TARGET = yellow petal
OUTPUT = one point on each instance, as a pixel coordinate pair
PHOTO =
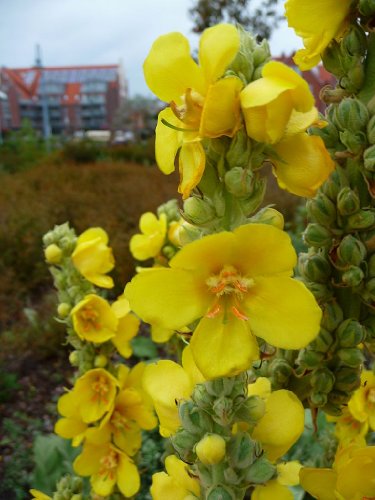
(88, 462)
(128, 479)
(356, 476)
(288, 473)
(261, 387)
(170, 298)
(192, 160)
(283, 312)
(167, 382)
(103, 485)
(190, 366)
(167, 141)
(223, 348)
(68, 428)
(178, 470)
(221, 110)
(127, 329)
(38, 495)
(299, 122)
(93, 233)
(164, 487)
(262, 250)
(169, 68)
(160, 334)
(271, 491)
(218, 47)
(281, 425)
(320, 483)
(305, 164)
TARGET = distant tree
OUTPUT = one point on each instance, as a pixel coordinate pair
(259, 17)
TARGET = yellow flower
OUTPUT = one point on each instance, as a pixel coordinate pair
(94, 320)
(349, 430)
(53, 255)
(175, 484)
(149, 243)
(167, 383)
(203, 104)
(71, 426)
(362, 403)
(283, 421)
(93, 395)
(317, 23)
(352, 476)
(107, 466)
(277, 104)
(238, 284)
(210, 449)
(38, 495)
(93, 258)
(127, 326)
(302, 165)
(287, 475)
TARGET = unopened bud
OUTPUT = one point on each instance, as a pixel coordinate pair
(352, 357)
(350, 333)
(329, 134)
(351, 251)
(317, 236)
(168, 251)
(369, 158)
(370, 289)
(260, 471)
(74, 358)
(252, 410)
(309, 359)
(363, 219)
(100, 361)
(53, 254)
(221, 493)
(322, 380)
(321, 292)
(338, 397)
(332, 316)
(331, 187)
(280, 370)
(347, 201)
(242, 450)
(354, 142)
(351, 114)
(371, 130)
(347, 379)
(198, 211)
(353, 276)
(269, 216)
(321, 209)
(261, 53)
(211, 449)
(318, 399)
(239, 181)
(63, 310)
(322, 342)
(183, 442)
(239, 152)
(314, 267)
(367, 7)
(331, 59)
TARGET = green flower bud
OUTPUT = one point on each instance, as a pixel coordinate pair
(351, 114)
(355, 143)
(353, 276)
(63, 310)
(168, 251)
(318, 399)
(367, 7)
(314, 267)
(323, 341)
(309, 359)
(368, 239)
(355, 41)
(317, 236)
(270, 216)
(371, 266)
(261, 53)
(280, 370)
(183, 442)
(338, 397)
(331, 59)
(352, 357)
(223, 408)
(332, 316)
(371, 130)
(210, 449)
(354, 78)
(332, 409)
(321, 292)
(76, 496)
(369, 325)
(369, 292)
(347, 379)
(190, 419)
(250, 204)
(260, 471)
(74, 358)
(239, 181)
(321, 209)
(239, 152)
(363, 219)
(251, 410)
(170, 209)
(350, 333)
(322, 380)
(242, 450)
(243, 62)
(329, 134)
(369, 159)
(348, 201)
(221, 493)
(331, 187)
(100, 361)
(53, 254)
(198, 211)
(351, 251)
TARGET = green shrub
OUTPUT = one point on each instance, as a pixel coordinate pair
(83, 151)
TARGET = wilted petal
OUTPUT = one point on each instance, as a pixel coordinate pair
(192, 160)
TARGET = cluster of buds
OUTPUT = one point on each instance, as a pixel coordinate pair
(67, 488)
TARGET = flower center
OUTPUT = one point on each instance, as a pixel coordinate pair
(191, 110)
(119, 421)
(229, 287)
(100, 388)
(90, 319)
(108, 465)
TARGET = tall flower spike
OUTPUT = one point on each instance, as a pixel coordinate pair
(202, 103)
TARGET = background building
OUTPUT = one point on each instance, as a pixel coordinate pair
(61, 99)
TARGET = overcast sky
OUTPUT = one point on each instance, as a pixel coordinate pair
(84, 32)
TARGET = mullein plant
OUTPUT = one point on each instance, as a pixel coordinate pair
(261, 347)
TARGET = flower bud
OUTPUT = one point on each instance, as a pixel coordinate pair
(168, 251)
(221, 493)
(368, 239)
(347, 379)
(211, 449)
(315, 267)
(331, 59)
(369, 291)
(363, 219)
(369, 159)
(239, 181)
(332, 409)
(322, 380)
(239, 152)
(280, 370)
(351, 114)
(261, 53)
(251, 203)
(367, 7)
(332, 316)
(321, 209)
(53, 254)
(350, 333)
(329, 134)
(355, 41)
(74, 358)
(318, 399)
(198, 211)
(260, 471)
(369, 325)
(351, 251)
(371, 130)
(321, 292)
(331, 187)
(63, 310)
(269, 216)
(353, 276)
(100, 361)
(190, 420)
(323, 341)
(352, 357)
(308, 358)
(353, 80)
(355, 143)
(252, 410)
(347, 201)
(242, 450)
(317, 236)
(338, 397)
(183, 442)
